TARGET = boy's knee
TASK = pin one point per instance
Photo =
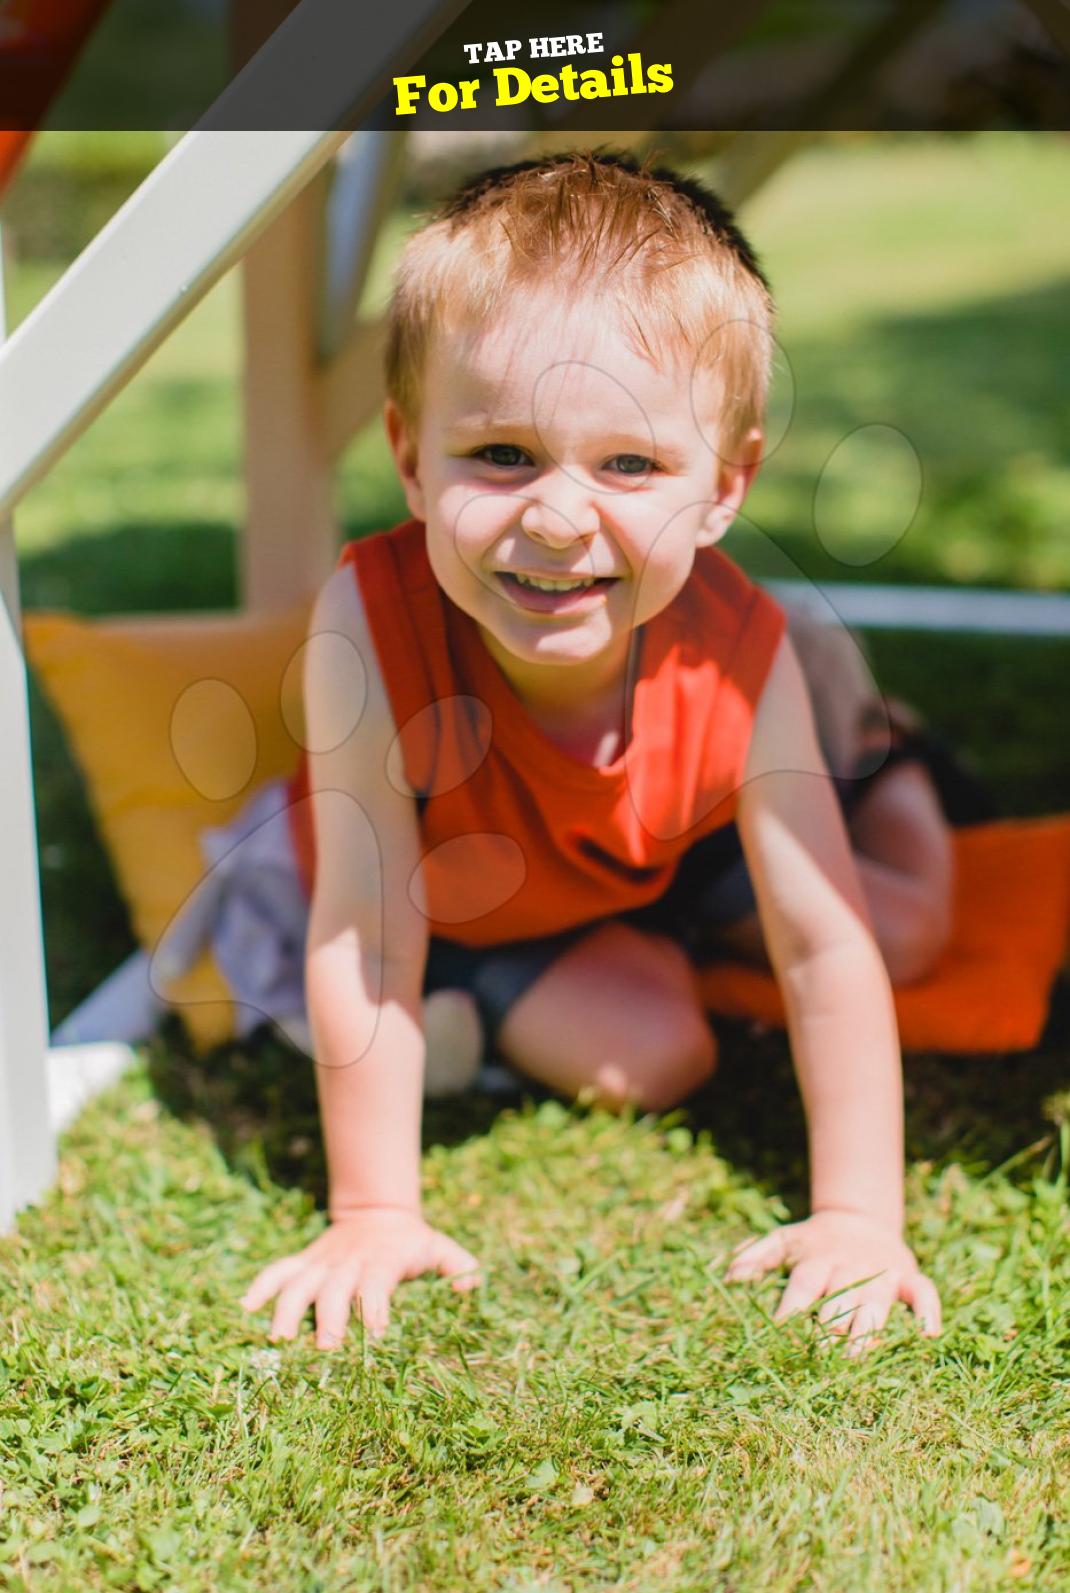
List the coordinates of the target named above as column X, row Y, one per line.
column 916, row 946
column 675, row 1060
column 672, row 1050
column 685, row 1069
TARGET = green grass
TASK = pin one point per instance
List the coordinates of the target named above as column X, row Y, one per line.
column 604, row 1413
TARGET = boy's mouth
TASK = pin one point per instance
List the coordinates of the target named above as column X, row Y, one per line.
column 554, row 597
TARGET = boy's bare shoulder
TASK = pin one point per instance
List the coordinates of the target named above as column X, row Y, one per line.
column 339, row 610
column 784, row 737
column 365, row 815
column 346, row 701
column 339, row 602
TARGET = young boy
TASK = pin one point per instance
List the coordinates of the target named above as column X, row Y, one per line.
column 542, row 702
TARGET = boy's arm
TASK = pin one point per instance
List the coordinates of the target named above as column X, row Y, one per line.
column 365, row 959
column 367, row 934
column 840, row 1016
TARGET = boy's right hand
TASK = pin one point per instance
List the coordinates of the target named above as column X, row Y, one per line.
column 361, row 1258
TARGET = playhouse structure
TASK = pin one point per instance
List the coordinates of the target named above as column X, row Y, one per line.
column 300, row 210
column 272, row 199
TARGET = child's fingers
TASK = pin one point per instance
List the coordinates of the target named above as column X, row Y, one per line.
column 333, row 1305
column 267, row 1283
column 295, row 1300
column 754, row 1257
column 452, row 1260
column 846, row 1308
column 745, row 1244
column 837, row 1314
column 373, row 1301
column 919, row 1292
column 840, row 1311
column 808, row 1282
column 866, row 1324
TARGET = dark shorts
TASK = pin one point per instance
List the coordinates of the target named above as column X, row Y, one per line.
column 711, row 886
column 711, row 889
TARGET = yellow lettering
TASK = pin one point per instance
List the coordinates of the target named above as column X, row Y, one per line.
column 407, row 95
column 506, row 95
column 546, row 88
column 443, row 97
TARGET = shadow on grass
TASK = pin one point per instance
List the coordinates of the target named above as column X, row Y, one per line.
column 998, row 698
column 258, row 1098
column 976, row 1110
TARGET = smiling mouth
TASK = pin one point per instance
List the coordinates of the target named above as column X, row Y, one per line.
column 552, row 597
column 554, row 583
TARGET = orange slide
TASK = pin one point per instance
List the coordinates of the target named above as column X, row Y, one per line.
column 39, row 42
column 990, row 991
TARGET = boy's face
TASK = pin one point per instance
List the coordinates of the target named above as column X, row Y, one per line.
column 548, row 448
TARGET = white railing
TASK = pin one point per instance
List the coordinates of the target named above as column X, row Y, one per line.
column 934, row 608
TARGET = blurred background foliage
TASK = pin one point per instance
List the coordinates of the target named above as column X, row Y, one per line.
column 923, row 285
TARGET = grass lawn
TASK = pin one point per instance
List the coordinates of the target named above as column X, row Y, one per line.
column 605, row 1412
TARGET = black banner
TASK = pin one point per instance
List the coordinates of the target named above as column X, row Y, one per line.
column 581, row 66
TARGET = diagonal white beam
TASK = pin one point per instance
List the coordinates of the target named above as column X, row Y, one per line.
column 193, row 217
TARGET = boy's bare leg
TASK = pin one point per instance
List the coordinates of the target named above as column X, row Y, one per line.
column 906, row 862
column 903, row 853
column 618, row 1013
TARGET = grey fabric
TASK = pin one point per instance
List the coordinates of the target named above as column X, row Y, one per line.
column 258, row 937
column 251, row 913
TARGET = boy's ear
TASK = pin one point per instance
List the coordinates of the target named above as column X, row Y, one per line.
column 406, row 457
column 734, row 479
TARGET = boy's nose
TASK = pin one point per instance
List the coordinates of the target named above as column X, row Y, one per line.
column 560, row 514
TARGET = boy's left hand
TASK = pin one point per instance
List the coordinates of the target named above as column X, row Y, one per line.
column 831, row 1251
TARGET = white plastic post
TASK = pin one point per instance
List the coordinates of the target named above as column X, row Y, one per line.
column 27, row 1143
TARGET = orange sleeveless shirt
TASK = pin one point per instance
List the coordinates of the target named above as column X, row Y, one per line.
column 518, row 838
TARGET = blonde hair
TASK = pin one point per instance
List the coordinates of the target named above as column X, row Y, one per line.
column 684, row 275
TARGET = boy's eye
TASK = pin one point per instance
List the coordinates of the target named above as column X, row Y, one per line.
column 506, row 455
